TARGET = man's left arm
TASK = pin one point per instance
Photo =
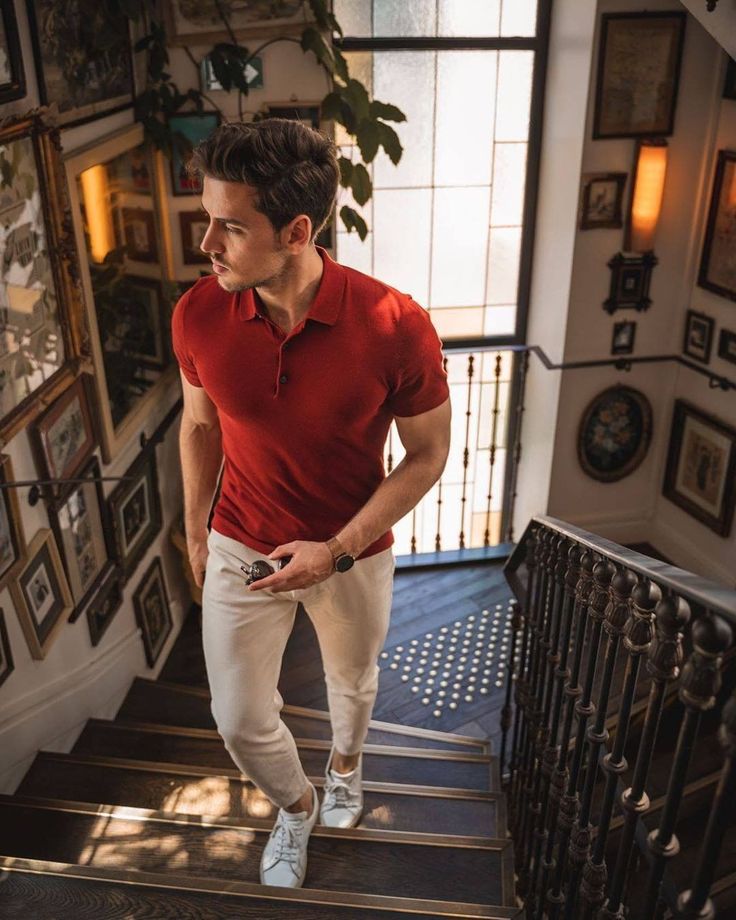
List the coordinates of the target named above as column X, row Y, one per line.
column 426, row 439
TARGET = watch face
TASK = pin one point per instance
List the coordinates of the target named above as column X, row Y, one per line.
column 344, row 563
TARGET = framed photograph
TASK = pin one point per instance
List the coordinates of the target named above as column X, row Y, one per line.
column 727, row 345
column 104, row 605
column 6, row 656
column 188, row 130
column 615, row 433
column 83, row 58
column 12, row 76
column 152, row 611
column 135, row 512
column 700, row 475
column 79, row 522
column 208, row 81
column 12, row 541
column 305, row 112
column 729, row 83
column 42, row 334
column 199, row 22
column 639, row 60
column 602, row 201
column 622, row 342
column 63, row 437
column 41, row 594
column 144, row 338
column 698, row 336
column 139, row 232
column 193, row 226
column 718, row 263
column 630, row 279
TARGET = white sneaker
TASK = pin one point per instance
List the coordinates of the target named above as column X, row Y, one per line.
column 342, row 804
column 284, row 859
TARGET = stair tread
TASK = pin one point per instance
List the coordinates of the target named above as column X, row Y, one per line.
column 205, row 748
column 435, row 870
column 176, row 704
column 398, row 808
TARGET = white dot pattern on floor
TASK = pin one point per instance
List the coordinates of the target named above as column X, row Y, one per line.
column 460, row 662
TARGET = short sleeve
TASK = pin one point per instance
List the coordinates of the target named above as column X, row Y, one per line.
column 420, row 379
column 179, row 341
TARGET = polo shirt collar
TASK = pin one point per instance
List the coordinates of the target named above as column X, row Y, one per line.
column 327, row 303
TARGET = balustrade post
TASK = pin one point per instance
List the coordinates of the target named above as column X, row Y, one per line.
column 665, row 657
column 520, row 689
column 516, row 621
column 699, row 686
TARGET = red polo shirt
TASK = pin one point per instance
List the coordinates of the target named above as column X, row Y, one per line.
column 305, row 416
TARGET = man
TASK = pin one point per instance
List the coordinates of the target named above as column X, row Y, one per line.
column 293, row 368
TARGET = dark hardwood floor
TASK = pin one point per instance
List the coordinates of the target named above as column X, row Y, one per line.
column 442, row 665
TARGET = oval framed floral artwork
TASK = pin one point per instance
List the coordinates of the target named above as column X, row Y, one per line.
column 615, row 433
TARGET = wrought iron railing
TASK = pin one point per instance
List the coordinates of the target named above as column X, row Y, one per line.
column 589, row 614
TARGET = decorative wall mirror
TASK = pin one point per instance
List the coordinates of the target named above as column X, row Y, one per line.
column 115, row 187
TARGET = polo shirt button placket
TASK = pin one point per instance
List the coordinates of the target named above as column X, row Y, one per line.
column 283, row 378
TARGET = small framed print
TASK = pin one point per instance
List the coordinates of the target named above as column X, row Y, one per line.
column 104, row 605
column 622, row 342
column 12, row 78
column 152, row 611
column 188, row 130
column 729, row 82
column 41, row 594
column 602, row 201
column 638, row 74
column 698, row 336
column 6, row 656
column 63, row 436
column 306, row 112
column 615, row 433
column 79, row 522
column 718, row 263
column 139, row 233
column 630, row 279
column 193, row 226
column 12, row 543
column 700, row 475
column 727, row 345
column 135, row 512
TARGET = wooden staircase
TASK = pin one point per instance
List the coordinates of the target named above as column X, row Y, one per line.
column 146, row 817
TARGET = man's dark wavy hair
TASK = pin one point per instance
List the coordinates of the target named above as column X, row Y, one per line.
column 293, row 167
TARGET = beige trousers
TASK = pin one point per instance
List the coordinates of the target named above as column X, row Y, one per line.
column 244, row 635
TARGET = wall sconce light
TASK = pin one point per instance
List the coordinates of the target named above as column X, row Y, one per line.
column 631, row 270
column 95, row 192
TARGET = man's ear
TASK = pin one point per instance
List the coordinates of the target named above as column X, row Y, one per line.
column 298, row 233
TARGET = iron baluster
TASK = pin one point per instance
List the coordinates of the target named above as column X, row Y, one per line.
column 519, row 689
column 523, row 368
column 516, row 618
column 466, row 451
column 665, row 657
column 492, row 454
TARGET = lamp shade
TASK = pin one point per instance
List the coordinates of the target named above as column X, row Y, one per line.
column 97, row 209
column 646, row 200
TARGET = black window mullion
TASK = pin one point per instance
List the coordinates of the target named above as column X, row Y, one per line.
column 412, row 43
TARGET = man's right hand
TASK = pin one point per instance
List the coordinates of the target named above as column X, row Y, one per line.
column 198, row 553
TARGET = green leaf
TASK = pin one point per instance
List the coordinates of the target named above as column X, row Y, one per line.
column 385, row 111
column 357, row 95
column 346, row 171
column 220, row 68
column 331, row 105
column 367, row 136
column 353, row 221
column 341, row 64
column 390, row 142
column 143, row 43
column 361, row 184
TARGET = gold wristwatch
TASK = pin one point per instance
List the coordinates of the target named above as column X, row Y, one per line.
column 343, row 561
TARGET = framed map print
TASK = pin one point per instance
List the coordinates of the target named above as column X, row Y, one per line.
column 718, row 263
column 12, row 78
column 201, row 21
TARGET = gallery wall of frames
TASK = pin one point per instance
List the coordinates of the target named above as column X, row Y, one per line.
column 99, row 236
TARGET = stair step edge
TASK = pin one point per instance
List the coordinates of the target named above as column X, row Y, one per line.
column 250, row 890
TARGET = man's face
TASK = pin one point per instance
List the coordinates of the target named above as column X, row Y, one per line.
column 245, row 249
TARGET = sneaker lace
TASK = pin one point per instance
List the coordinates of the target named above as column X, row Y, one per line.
column 340, row 793
column 287, row 841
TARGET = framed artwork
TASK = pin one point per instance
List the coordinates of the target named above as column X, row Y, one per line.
column 602, row 201
column 729, row 83
column 630, row 279
column 41, row 320
column 718, row 263
column 41, row 594
column 622, row 341
column 614, row 434
column 209, row 82
column 152, row 611
column 63, row 437
column 700, row 475
column 200, row 22
column 727, row 345
column 6, row 656
column 102, row 608
column 12, row 542
column 307, row 113
column 116, row 193
column 83, row 59
column 12, row 76
column 79, row 522
column 638, row 74
column 193, row 227
column 698, row 336
column 188, row 130
column 135, row 512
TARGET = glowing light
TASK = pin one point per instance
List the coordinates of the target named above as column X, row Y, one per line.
column 646, row 201
column 97, row 208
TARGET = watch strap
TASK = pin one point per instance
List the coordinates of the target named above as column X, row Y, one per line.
column 337, row 550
